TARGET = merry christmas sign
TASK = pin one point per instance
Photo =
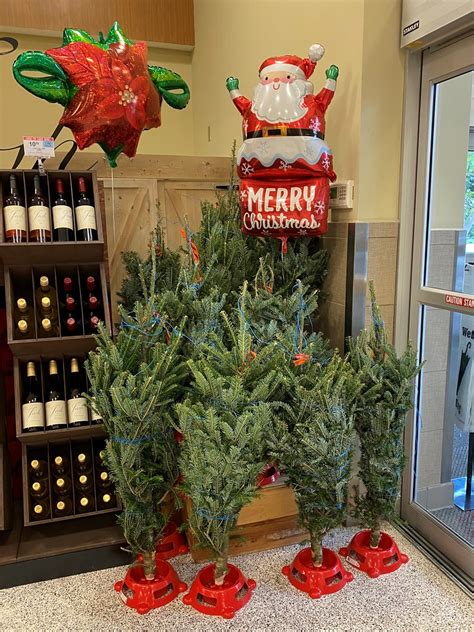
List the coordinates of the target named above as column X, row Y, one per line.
column 284, row 163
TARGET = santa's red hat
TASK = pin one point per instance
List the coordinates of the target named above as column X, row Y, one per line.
column 302, row 68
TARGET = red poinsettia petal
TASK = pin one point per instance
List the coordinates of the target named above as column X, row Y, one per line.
column 153, row 108
column 110, row 108
column 135, row 113
column 83, row 63
column 120, row 73
column 85, row 109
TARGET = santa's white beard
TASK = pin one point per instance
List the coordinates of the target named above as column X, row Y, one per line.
column 282, row 105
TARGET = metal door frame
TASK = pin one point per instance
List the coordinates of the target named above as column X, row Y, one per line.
column 432, row 66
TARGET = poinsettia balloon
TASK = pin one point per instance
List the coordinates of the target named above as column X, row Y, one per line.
column 109, row 91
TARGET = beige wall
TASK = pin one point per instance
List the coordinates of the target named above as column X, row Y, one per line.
column 22, row 114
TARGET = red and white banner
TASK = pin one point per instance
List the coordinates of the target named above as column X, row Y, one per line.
column 284, row 209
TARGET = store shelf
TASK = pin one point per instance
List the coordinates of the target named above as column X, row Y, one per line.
column 64, row 434
column 52, row 253
column 72, row 345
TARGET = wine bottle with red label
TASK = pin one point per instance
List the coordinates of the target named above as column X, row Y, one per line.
column 63, row 228
column 38, row 215
column 85, row 215
column 56, row 412
column 14, row 215
column 32, row 408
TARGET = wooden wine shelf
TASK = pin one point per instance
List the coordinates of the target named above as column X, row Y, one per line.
column 51, row 253
column 72, row 345
column 63, row 434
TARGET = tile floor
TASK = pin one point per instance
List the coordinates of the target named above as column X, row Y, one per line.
column 417, row 597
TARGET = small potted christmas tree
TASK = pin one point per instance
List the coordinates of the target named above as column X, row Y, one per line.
column 385, row 399
column 225, row 422
column 134, row 381
column 314, row 447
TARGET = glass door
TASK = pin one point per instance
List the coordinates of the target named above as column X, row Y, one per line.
column 437, row 497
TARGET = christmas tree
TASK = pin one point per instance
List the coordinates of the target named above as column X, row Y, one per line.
column 220, row 257
column 226, row 420
column 134, row 382
column 315, row 446
column 385, row 399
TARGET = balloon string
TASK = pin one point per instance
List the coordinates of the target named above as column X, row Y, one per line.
column 113, row 203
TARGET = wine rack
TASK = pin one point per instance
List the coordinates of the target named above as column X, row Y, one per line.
column 41, row 364
column 21, row 282
column 68, row 450
column 53, row 251
column 24, row 264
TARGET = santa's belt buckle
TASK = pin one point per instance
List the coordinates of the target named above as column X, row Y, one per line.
column 274, row 131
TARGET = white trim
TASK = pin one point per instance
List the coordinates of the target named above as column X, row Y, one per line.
column 235, row 93
column 280, row 66
column 330, row 84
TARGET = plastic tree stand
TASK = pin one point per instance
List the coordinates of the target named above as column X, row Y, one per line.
column 317, row 581
column 383, row 559
column 171, row 544
column 268, row 475
column 144, row 594
column 221, row 601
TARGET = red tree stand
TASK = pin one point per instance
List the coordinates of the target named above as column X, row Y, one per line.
column 222, row 601
column 317, row 581
column 383, row 559
column 144, row 594
column 171, row 544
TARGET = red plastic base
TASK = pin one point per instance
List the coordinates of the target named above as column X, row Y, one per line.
column 221, row 601
column 268, row 475
column 317, row 581
column 143, row 594
column 386, row 558
column 171, row 544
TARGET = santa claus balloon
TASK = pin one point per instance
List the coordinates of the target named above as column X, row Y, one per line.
column 284, row 162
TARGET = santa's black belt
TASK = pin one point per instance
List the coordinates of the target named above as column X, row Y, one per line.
column 283, row 131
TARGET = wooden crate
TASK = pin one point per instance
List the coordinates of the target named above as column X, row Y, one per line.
column 268, row 522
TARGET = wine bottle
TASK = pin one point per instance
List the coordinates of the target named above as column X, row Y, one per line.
column 56, row 414
column 23, row 311
column 63, row 229
column 76, row 403
column 22, row 330
column 83, row 463
column 38, row 215
column 85, row 215
column 84, row 483
column 68, row 287
column 62, row 486
column 39, row 489
column 63, row 507
column 14, row 215
column 32, row 408
column 40, row 510
column 49, row 312
column 106, row 501
column 60, row 466
column 103, row 480
column 38, row 469
column 46, row 329
column 46, row 289
column 100, row 458
column 85, row 503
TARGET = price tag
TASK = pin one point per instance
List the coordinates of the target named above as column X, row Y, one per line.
column 38, row 146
